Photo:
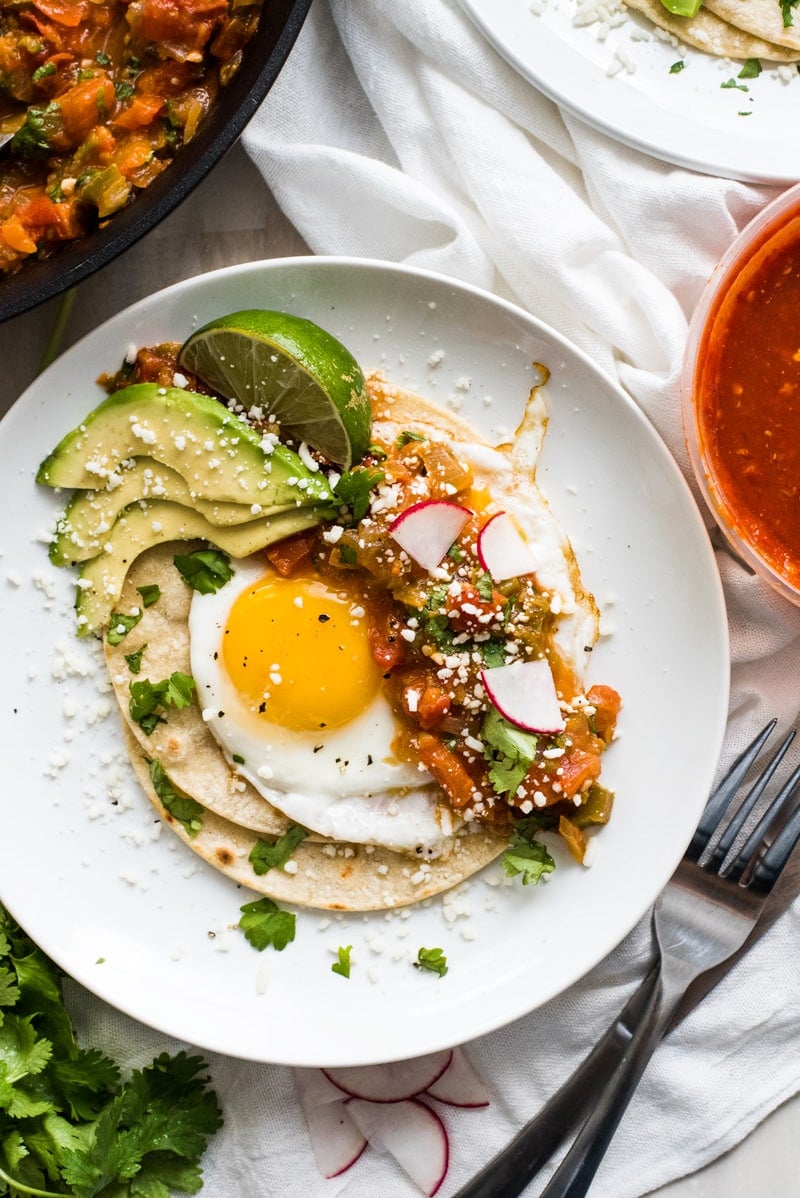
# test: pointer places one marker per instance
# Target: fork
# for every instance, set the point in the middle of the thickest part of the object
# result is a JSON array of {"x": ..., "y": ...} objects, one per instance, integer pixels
[{"x": 702, "y": 918}]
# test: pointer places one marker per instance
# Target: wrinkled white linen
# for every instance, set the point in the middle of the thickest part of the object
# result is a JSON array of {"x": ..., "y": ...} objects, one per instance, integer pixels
[{"x": 396, "y": 132}]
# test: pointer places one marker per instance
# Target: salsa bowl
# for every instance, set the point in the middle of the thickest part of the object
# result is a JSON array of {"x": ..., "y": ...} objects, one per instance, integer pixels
[{"x": 741, "y": 395}]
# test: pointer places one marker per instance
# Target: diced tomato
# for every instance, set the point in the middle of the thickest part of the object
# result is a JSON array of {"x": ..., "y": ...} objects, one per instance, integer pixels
[
  {"x": 387, "y": 645},
  {"x": 607, "y": 704},
  {"x": 434, "y": 705},
  {"x": 86, "y": 105},
  {"x": 576, "y": 769},
  {"x": 285, "y": 556},
  {"x": 142, "y": 111},
  {"x": 190, "y": 22},
  {"x": 447, "y": 769},
  {"x": 468, "y": 612},
  {"x": 63, "y": 12},
  {"x": 16, "y": 235}
]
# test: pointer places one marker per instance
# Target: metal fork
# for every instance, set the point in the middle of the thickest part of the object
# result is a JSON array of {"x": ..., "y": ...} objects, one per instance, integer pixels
[{"x": 702, "y": 918}]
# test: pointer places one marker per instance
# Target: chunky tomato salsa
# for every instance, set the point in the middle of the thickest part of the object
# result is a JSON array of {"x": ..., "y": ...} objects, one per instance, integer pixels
[
  {"x": 99, "y": 96},
  {"x": 748, "y": 396}
]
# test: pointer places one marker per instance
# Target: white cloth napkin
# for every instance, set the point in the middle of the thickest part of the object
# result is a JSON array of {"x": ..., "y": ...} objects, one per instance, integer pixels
[{"x": 396, "y": 132}]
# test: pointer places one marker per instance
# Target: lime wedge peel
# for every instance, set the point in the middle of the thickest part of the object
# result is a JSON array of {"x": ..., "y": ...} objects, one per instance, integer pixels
[{"x": 295, "y": 372}]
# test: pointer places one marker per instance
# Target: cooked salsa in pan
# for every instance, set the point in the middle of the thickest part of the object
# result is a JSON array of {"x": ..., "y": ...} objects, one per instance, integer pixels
[{"x": 98, "y": 97}]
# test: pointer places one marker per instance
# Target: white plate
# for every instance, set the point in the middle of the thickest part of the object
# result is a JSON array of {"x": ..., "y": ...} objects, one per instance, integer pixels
[
  {"x": 687, "y": 118},
  {"x": 146, "y": 925}
]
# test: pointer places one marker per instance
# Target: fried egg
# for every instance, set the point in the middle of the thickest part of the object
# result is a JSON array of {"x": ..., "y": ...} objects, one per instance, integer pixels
[{"x": 289, "y": 689}]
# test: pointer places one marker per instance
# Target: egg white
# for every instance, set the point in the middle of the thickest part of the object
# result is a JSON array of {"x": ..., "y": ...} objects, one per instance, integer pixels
[{"x": 344, "y": 783}]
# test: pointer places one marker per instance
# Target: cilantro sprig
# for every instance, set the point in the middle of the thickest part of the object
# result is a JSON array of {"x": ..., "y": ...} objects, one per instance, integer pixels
[
  {"x": 353, "y": 490},
  {"x": 266, "y": 855},
  {"x": 205, "y": 570},
  {"x": 148, "y": 697},
  {"x": 68, "y": 1124},
  {"x": 264, "y": 923},
  {"x": 432, "y": 959},
  {"x": 342, "y": 963},
  {"x": 508, "y": 750},
  {"x": 526, "y": 856},
  {"x": 182, "y": 807}
]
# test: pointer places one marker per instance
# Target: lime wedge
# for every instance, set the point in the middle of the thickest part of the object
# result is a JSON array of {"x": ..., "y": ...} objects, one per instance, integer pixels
[{"x": 296, "y": 372}]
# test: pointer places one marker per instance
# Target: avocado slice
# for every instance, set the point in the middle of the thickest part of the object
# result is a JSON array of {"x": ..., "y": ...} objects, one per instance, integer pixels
[
  {"x": 145, "y": 524},
  {"x": 218, "y": 455},
  {"x": 82, "y": 530}
]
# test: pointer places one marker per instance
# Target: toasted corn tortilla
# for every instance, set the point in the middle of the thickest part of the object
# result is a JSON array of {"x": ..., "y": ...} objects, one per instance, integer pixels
[
  {"x": 330, "y": 877},
  {"x": 761, "y": 18},
  {"x": 719, "y": 29}
]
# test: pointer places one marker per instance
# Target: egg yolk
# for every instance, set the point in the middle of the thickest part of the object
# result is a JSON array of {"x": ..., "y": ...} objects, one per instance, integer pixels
[{"x": 298, "y": 649}]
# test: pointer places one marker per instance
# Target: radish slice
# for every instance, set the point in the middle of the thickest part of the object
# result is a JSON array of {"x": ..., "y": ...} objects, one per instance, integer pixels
[
  {"x": 459, "y": 1085},
  {"x": 412, "y": 1133},
  {"x": 335, "y": 1140},
  {"x": 525, "y": 694},
  {"x": 393, "y": 1082},
  {"x": 428, "y": 529},
  {"x": 502, "y": 550}
]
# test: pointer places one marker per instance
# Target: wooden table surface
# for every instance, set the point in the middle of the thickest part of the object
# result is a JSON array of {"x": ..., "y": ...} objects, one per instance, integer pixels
[{"x": 232, "y": 218}]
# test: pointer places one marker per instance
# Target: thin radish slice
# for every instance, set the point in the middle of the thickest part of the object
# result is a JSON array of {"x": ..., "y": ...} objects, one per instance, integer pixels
[
  {"x": 392, "y": 1082},
  {"x": 459, "y": 1085},
  {"x": 525, "y": 694},
  {"x": 412, "y": 1133},
  {"x": 427, "y": 530},
  {"x": 502, "y": 549},
  {"x": 335, "y": 1140}
]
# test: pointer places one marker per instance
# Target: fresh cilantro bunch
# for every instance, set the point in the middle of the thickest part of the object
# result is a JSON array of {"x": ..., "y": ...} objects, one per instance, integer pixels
[{"x": 68, "y": 1126}]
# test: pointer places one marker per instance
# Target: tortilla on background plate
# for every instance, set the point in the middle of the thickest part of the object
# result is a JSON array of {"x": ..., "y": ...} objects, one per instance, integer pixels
[{"x": 738, "y": 29}]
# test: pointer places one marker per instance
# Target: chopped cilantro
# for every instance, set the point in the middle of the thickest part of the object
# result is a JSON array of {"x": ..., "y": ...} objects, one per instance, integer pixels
[
  {"x": 150, "y": 594},
  {"x": 239, "y": 760},
  {"x": 353, "y": 488},
  {"x": 182, "y": 807},
  {"x": 120, "y": 626},
  {"x": 146, "y": 697},
  {"x": 68, "y": 1124},
  {"x": 123, "y": 90},
  {"x": 264, "y": 923},
  {"x": 677, "y": 67},
  {"x": 786, "y": 12},
  {"x": 347, "y": 554},
  {"x": 406, "y": 437},
  {"x": 742, "y": 87},
  {"x": 751, "y": 69},
  {"x": 265, "y": 856},
  {"x": 527, "y": 857},
  {"x": 134, "y": 659},
  {"x": 342, "y": 964},
  {"x": 102, "y": 59},
  {"x": 32, "y": 139},
  {"x": 508, "y": 750},
  {"x": 432, "y": 959},
  {"x": 42, "y": 72},
  {"x": 378, "y": 454},
  {"x": 205, "y": 570},
  {"x": 455, "y": 553},
  {"x": 493, "y": 653},
  {"x": 485, "y": 587}
]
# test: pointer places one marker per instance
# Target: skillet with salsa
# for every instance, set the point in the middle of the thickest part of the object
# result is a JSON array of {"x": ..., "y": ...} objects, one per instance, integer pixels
[{"x": 100, "y": 95}]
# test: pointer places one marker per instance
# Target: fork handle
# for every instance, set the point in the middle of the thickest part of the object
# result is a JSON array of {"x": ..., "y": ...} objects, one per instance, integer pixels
[
  {"x": 576, "y": 1172},
  {"x": 510, "y": 1171}
]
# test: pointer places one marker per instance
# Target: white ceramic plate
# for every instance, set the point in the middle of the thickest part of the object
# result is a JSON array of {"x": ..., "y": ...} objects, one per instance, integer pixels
[
  {"x": 623, "y": 86},
  {"x": 139, "y": 920}
]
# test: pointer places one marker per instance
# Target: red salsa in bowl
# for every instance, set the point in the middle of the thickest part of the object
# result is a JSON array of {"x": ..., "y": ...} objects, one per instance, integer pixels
[{"x": 741, "y": 395}]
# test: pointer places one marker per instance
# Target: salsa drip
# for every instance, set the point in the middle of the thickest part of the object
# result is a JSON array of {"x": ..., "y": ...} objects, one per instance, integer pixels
[{"x": 100, "y": 98}]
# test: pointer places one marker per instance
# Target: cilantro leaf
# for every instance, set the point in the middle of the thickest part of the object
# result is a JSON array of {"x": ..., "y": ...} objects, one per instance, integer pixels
[
  {"x": 134, "y": 659},
  {"x": 264, "y": 923},
  {"x": 342, "y": 963},
  {"x": 508, "y": 750},
  {"x": 529, "y": 858},
  {"x": 353, "y": 488},
  {"x": 150, "y": 594},
  {"x": 147, "y": 697},
  {"x": 406, "y": 437},
  {"x": 205, "y": 570},
  {"x": 120, "y": 625},
  {"x": 485, "y": 587},
  {"x": 265, "y": 855},
  {"x": 182, "y": 807},
  {"x": 432, "y": 959}
]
